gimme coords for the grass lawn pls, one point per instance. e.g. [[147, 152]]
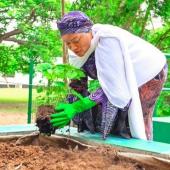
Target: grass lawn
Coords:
[[15, 95], [15, 100]]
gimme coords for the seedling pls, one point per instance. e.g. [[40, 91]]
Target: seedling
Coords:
[[56, 90]]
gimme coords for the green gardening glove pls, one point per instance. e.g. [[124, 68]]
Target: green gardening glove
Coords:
[[67, 111]]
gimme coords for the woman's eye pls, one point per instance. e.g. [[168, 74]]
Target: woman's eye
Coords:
[[76, 41], [67, 44]]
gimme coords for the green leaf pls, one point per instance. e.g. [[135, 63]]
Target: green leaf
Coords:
[[39, 89], [44, 67], [59, 84]]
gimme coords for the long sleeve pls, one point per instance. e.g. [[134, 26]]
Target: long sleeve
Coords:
[[98, 96], [81, 87]]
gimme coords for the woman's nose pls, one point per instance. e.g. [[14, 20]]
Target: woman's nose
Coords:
[[73, 47]]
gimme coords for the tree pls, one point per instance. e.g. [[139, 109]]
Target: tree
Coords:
[[28, 24]]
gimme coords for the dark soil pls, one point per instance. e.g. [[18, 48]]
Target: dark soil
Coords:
[[42, 120]]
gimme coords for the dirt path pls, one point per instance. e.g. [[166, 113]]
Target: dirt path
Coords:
[[14, 114], [11, 118]]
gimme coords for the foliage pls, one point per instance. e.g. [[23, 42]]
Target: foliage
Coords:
[[57, 89], [8, 63], [93, 85], [167, 84], [163, 104], [162, 107], [30, 26], [160, 38]]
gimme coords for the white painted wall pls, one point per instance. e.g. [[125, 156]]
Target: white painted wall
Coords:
[[22, 79]]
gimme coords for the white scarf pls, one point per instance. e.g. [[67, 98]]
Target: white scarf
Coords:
[[135, 115]]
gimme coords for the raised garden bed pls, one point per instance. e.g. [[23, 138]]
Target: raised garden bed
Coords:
[[37, 152]]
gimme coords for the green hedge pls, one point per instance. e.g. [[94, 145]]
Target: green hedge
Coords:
[[163, 104]]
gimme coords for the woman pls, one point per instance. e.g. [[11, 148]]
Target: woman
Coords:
[[131, 73]]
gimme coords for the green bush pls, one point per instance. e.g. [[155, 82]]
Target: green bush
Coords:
[[163, 104]]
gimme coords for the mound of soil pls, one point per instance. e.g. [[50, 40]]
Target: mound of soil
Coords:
[[43, 119], [50, 158], [46, 153]]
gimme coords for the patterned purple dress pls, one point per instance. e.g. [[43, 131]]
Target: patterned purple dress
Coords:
[[103, 117]]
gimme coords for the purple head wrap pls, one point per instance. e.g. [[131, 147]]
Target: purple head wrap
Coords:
[[74, 22]]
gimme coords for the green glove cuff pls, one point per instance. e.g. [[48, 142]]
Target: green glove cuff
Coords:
[[68, 111], [83, 104]]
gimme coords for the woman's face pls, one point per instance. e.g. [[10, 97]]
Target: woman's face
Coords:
[[79, 43]]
